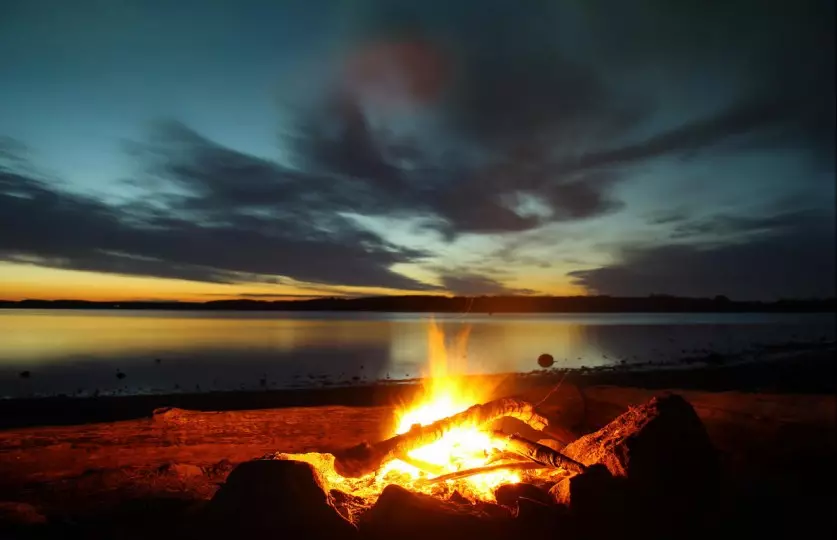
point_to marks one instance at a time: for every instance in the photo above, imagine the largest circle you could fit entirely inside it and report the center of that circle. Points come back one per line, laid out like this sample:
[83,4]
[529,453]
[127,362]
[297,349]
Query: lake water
[83,352]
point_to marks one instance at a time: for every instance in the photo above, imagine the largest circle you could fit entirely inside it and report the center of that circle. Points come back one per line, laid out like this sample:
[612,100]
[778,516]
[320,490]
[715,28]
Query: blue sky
[327,147]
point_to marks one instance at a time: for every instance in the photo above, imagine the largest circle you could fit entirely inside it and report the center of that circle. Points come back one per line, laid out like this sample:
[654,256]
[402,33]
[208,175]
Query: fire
[445,393]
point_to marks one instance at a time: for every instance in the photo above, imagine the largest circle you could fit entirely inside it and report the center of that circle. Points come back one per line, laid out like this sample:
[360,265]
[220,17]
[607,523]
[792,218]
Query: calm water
[82,352]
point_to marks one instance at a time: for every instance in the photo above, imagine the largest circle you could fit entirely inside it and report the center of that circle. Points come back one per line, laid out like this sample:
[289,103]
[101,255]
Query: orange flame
[445,393]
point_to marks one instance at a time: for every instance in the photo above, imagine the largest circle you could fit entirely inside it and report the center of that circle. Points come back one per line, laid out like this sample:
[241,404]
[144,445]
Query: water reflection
[81,352]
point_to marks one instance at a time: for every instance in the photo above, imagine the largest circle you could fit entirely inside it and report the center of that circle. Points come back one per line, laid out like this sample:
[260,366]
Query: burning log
[421,465]
[518,465]
[541,454]
[366,458]
[540,457]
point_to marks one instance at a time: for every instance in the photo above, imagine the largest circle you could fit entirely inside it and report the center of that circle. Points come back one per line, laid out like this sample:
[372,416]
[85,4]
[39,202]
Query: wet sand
[792,368]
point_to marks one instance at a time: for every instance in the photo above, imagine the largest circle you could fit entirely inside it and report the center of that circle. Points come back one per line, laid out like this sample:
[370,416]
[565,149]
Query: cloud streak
[195,237]
[784,257]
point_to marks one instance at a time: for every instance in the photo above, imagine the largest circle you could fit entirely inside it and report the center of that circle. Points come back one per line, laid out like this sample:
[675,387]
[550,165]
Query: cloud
[520,114]
[788,256]
[476,119]
[746,119]
[232,225]
[725,226]
[467,284]
[457,195]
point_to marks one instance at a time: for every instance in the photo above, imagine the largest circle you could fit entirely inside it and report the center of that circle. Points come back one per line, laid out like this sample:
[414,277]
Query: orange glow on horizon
[23,281]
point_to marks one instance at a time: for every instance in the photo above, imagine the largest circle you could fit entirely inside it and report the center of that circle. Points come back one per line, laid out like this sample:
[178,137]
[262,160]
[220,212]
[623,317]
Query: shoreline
[792,369]
[422,303]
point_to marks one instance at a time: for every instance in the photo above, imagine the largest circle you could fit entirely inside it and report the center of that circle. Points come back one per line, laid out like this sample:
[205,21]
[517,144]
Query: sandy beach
[91,467]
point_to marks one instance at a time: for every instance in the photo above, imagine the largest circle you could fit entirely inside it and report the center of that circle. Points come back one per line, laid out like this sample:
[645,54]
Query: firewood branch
[540,453]
[366,458]
[516,466]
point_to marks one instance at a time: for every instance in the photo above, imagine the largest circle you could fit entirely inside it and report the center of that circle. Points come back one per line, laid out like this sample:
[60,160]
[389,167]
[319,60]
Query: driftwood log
[540,453]
[366,458]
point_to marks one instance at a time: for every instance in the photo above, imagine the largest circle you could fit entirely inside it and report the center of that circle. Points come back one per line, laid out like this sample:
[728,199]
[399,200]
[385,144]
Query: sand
[90,465]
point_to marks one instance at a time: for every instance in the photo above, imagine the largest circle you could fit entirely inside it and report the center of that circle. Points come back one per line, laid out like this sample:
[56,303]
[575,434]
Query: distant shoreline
[460,304]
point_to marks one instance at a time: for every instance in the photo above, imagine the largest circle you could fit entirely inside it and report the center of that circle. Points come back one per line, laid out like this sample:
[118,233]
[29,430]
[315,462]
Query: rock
[14,513]
[406,515]
[596,502]
[349,506]
[538,520]
[545,360]
[182,470]
[580,490]
[222,468]
[661,449]
[508,494]
[274,499]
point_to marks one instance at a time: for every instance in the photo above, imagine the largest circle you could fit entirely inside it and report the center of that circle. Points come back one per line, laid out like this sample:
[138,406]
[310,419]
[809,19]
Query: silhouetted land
[459,304]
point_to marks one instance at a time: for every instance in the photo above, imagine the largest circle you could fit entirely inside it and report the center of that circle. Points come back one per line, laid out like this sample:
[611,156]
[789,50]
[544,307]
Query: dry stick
[366,458]
[540,453]
[518,465]
[559,433]
[503,456]
[553,390]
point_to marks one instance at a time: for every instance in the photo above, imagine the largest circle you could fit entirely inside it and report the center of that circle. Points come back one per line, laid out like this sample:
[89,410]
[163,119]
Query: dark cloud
[789,257]
[234,224]
[523,114]
[511,104]
[261,296]
[467,284]
[460,197]
[725,226]
[669,216]
[774,122]
[479,118]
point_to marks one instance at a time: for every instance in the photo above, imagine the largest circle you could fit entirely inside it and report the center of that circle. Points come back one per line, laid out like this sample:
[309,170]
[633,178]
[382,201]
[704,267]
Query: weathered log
[365,458]
[540,453]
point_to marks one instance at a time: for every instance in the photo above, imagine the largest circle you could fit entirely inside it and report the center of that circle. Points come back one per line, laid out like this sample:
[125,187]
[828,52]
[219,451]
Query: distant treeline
[459,304]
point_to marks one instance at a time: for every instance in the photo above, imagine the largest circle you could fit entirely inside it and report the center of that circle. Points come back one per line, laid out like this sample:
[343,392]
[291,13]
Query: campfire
[461,463]
[447,442]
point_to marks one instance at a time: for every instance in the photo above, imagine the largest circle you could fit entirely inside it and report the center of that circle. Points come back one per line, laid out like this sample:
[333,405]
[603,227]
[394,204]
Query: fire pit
[446,442]
[458,453]
[447,469]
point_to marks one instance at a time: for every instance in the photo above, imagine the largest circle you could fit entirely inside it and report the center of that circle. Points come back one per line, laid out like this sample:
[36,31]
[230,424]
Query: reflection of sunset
[68,350]
[497,344]
[44,335]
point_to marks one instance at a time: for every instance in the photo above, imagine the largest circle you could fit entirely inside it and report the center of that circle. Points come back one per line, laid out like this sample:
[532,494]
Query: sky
[215,149]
